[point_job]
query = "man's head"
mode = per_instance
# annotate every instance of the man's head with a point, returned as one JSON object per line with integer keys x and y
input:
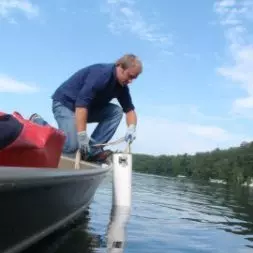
{"x": 128, "y": 67}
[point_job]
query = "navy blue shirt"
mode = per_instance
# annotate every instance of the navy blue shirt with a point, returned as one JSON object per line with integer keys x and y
{"x": 93, "y": 87}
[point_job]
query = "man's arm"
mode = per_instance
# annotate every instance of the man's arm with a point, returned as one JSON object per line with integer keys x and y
{"x": 125, "y": 101}
{"x": 81, "y": 118}
{"x": 131, "y": 118}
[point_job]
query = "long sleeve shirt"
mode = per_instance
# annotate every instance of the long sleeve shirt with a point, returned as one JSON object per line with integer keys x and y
{"x": 93, "y": 87}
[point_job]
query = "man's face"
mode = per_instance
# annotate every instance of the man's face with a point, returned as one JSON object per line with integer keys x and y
{"x": 128, "y": 75}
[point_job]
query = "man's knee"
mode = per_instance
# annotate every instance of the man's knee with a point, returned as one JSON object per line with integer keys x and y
{"x": 66, "y": 123}
{"x": 117, "y": 111}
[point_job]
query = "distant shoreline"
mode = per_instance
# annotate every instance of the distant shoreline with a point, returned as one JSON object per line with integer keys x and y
{"x": 229, "y": 166}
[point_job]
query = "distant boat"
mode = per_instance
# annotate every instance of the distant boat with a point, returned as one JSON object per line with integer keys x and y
{"x": 218, "y": 181}
{"x": 181, "y": 176}
{"x": 40, "y": 190}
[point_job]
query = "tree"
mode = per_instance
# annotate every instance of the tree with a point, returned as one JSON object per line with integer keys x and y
{"x": 234, "y": 165}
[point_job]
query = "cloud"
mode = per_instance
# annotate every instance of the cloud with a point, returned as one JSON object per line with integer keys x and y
{"x": 8, "y": 7}
{"x": 125, "y": 17}
{"x": 187, "y": 112}
{"x": 244, "y": 103}
{"x": 210, "y": 132}
{"x": 160, "y": 136}
{"x": 170, "y": 135}
{"x": 157, "y": 135}
{"x": 9, "y": 85}
{"x": 235, "y": 18}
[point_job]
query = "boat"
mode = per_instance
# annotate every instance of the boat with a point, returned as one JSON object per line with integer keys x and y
{"x": 41, "y": 190}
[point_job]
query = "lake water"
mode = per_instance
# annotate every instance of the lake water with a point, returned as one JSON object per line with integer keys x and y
{"x": 169, "y": 215}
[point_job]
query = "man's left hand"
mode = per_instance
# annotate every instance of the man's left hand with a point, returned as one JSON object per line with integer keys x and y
{"x": 130, "y": 134}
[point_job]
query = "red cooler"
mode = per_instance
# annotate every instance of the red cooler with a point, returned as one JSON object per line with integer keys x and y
{"x": 27, "y": 144}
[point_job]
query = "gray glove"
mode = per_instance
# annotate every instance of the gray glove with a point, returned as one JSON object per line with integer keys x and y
{"x": 83, "y": 142}
{"x": 130, "y": 134}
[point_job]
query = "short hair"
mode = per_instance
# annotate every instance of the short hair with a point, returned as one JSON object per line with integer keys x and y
{"x": 129, "y": 60}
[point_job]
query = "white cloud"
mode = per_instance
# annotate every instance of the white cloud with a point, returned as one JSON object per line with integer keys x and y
{"x": 125, "y": 17}
{"x": 9, "y": 85}
{"x": 160, "y": 136}
{"x": 244, "y": 103}
{"x": 210, "y": 132}
{"x": 235, "y": 18}
{"x": 242, "y": 107}
{"x": 188, "y": 112}
{"x": 7, "y": 8}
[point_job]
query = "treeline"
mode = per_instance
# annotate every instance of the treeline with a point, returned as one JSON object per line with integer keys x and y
{"x": 231, "y": 165}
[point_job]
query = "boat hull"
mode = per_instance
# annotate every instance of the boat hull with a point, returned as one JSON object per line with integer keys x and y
{"x": 35, "y": 202}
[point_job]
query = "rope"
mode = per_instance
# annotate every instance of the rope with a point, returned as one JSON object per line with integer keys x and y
{"x": 109, "y": 143}
{"x": 78, "y": 153}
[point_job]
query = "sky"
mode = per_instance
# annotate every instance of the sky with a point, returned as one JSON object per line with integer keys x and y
{"x": 196, "y": 90}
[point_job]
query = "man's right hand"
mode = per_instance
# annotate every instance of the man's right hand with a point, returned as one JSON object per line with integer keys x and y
{"x": 83, "y": 142}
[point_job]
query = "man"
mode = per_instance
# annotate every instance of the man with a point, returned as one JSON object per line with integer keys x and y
{"x": 85, "y": 98}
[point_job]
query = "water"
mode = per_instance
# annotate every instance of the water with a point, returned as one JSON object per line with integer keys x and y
{"x": 168, "y": 215}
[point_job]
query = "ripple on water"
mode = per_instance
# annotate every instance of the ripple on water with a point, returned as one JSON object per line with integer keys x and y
{"x": 168, "y": 213}
{"x": 174, "y": 215}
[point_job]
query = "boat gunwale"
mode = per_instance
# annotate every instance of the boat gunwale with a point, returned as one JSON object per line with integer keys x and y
{"x": 45, "y": 176}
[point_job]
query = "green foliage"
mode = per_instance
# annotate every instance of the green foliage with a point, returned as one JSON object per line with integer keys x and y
{"x": 233, "y": 165}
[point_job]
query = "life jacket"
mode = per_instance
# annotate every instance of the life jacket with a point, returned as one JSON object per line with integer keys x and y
{"x": 27, "y": 144}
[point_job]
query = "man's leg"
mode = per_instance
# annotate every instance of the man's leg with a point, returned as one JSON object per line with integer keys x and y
{"x": 108, "y": 120}
{"x": 65, "y": 119}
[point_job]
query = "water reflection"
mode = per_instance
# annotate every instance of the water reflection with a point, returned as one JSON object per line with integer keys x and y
{"x": 77, "y": 237}
{"x": 197, "y": 205}
{"x": 116, "y": 233}
{"x": 72, "y": 238}
{"x": 167, "y": 215}
{"x": 228, "y": 208}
